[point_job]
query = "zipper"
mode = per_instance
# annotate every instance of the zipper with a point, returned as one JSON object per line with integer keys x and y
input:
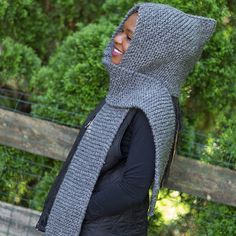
{"x": 88, "y": 124}
{"x": 95, "y": 114}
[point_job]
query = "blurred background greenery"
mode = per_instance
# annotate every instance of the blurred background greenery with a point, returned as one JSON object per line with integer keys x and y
{"x": 50, "y": 57}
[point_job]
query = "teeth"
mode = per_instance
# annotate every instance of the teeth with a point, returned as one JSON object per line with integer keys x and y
{"x": 117, "y": 51}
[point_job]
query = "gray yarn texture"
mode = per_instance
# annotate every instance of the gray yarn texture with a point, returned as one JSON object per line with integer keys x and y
{"x": 165, "y": 46}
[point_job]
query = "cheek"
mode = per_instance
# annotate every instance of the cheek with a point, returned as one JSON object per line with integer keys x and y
{"x": 126, "y": 45}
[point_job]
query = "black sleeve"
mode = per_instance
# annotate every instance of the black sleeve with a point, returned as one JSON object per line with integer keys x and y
{"x": 137, "y": 178}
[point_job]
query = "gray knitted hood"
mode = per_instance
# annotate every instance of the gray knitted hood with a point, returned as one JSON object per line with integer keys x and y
{"x": 164, "y": 48}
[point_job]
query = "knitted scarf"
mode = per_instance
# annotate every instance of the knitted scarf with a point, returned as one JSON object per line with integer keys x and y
{"x": 164, "y": 48}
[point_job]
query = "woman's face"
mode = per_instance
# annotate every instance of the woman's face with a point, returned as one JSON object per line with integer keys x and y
{"x": 122, "y": 39}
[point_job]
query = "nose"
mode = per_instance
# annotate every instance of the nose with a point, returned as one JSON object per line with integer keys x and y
{"x": 118, "y": 38}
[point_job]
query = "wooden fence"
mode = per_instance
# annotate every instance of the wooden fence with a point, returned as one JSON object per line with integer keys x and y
{"x": 52, "y": 140}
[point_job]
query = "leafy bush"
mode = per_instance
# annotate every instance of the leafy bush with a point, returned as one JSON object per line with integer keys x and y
{"x": 18, "y": 64}
{"x": 74, "y": 79}
{"x": 42, "y": 25}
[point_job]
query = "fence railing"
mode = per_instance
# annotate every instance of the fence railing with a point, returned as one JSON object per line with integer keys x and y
{"x": 17, "y": 220}
{"x": 52, "y": 140}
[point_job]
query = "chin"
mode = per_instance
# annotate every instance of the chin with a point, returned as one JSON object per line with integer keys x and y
{"x": 116, "y": 61}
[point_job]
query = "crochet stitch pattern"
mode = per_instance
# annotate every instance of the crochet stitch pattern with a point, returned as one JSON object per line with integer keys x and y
{"x": 165, "y": 46}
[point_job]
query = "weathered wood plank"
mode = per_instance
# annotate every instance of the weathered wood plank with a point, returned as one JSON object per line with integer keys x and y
{"x": 52, "y": 140}
{"x": 35, "y": 135}
{"x": 17, "y": 220}
{"x": 203, "y": 180}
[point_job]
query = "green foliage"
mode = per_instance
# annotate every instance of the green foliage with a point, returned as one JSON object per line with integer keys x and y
{"x": 74, "y": 79}
{"x": 220, "y": 145}
{"x": 212, "y": 221}
{"x": 43, "y": 186}
{"x": 20, "y": 174}
{"x": 114, "y": 11}
{"x": 25, "y": 22}
{"x": 42, "y": 25}
{"x": 18, "y": 63}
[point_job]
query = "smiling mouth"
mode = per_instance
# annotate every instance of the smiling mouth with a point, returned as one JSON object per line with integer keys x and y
{"x": 116, "y": 52}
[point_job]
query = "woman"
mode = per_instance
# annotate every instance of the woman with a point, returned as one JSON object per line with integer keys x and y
{"x": 102, "y": 189}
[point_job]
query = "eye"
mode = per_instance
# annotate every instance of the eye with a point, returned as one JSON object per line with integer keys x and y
{"x": 127, "y": 36}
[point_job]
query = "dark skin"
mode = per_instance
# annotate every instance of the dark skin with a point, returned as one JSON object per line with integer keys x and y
{"x": 122, "y": 39}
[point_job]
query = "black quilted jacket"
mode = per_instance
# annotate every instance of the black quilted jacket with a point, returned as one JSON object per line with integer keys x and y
{"x": 133, "y": 221}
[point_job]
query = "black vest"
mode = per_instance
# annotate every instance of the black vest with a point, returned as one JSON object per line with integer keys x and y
{"x": 131, "y": 222}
